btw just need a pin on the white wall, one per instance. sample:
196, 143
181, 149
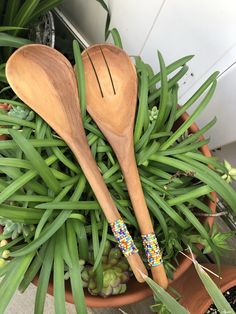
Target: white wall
205, 28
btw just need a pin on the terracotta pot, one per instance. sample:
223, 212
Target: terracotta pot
135, 291
193, 294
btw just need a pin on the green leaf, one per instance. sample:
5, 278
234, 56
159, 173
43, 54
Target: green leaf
116, 38
43, 7
11, 10
102, 245
165, 298
108, 19
22, 180
70, 205
44, 278
75, 272
145, 154
33, 268
195, 136
95, 241
168, 209
36, 160
7, 268
17, 121
171, 82
170, 68
195, 222
10, 101
49, 212
9, 28
79, 70
44, 236
164, 94
218, 298
58, 278
195, 193
190, 120
64, 247
184, 149
2, 75
21, 213
143, 141
15, 162
7, 40
23, 15
214, 180
174, 103
142, 117
197, 94
82, 239
156, 212
12, 279
204, 174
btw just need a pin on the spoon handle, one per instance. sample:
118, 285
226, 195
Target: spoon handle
130, 172
125, 242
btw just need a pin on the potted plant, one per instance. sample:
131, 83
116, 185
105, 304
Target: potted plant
53, 228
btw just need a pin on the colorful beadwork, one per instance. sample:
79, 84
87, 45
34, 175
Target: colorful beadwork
123, 237
152, 249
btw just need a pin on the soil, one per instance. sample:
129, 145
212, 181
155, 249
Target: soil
230, 295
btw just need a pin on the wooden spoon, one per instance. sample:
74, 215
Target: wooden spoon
44, 79
111, 94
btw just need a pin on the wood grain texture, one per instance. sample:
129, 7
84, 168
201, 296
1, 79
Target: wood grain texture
44, 79
111, 93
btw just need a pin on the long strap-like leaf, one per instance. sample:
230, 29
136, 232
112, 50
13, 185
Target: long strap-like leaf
36, 160
12, 280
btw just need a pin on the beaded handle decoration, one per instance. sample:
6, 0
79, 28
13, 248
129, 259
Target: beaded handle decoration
152, 249
125, 242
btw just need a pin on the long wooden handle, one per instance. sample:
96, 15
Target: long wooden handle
130, 172
94, 177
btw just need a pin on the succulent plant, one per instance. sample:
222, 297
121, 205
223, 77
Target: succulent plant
21, 113
115, 273
153, 113
13, 230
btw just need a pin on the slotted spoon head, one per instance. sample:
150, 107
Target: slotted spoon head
44, 79
111, 88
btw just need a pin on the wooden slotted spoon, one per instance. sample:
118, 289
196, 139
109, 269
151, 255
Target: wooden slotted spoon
44, 79
111, 94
